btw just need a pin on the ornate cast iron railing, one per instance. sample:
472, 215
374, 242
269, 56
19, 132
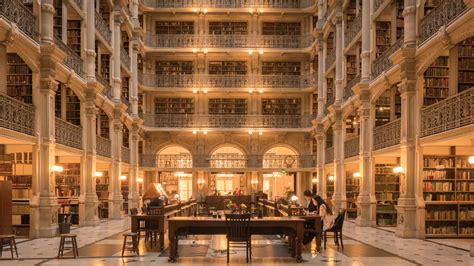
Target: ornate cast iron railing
227, 41
329, 102
103, 146
442, 15
351, 147
125, 155
68, 134
348, 88
16, 115
331, 59
228, 161
174, 161
329, 155
229, 81
107, 91
71, 60
353, 29
16, 12
378, 4
103, 27
229, 3
125, 58
387, 135
228, 121
451, 113
280, 161
383, 63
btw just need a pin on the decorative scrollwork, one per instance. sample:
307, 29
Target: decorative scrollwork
71, 60
329, 155
16, 115
351, 147
229, 4
16, 12
387, 135
383, 63
68, 134
103, 28
103, 146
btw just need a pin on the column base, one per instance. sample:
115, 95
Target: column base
44, 217
406, 218
133, 200
115, 207
366, 211
88, 211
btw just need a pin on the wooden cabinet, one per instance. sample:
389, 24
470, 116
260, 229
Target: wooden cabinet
5, 207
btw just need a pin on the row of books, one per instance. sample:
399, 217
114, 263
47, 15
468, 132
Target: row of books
438, 186
386, 196
465, 196
437, 72
465, 186
437, 175
439, 197
441, 230
466, 214
466, 230
436, 92
441, 215
436, 162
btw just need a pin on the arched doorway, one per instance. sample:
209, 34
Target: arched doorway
175, 163
278, 182
224, 179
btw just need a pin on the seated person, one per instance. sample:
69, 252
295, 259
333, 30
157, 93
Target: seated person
322, 208
156, 202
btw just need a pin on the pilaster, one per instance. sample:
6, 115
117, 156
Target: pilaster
339, 197
133, 196
321, 175
115, 195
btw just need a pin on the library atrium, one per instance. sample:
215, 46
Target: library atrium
265, 132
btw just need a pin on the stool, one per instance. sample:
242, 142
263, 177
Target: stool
12, 243
130, 246
68, 239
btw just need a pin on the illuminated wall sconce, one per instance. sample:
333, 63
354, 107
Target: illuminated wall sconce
205, 51
57, 168
260, 52
251, 11
98, 174
250, 132
471, 159
398, 170
195, 132
260, 91
205, 91
123, 177
356, 174
140, 179
204, 132
250, 91
331, 178
254, 182
314, 180
250, 52
260, 133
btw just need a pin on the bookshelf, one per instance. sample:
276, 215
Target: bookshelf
227, 67
281, 68
448, 191
436, 86
330, 43
228, 28
58, 18
330, 187
105, 67
174, 105
19, 79
227, 106
68, 191
387, 187
102, 190
58, 101
352, 191
124, 190
174, 27
382, 110
352, 129
174, 68
382, 37
466, 64
104, 124
351, 65
169, 182
104, 11
140, 103
399, 19
140, 63
315, 104
125, 137
330, 88
351, 11
281, 28
74, 35
285, 106
125, 88
73, 107
125, 42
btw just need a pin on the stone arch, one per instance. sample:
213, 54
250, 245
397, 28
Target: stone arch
236, 146
294, 151
174, 156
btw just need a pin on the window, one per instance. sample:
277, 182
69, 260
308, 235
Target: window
224, 185
185, 187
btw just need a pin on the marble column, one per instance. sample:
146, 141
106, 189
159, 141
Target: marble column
88, 201
321, 175
321, 79
134, 169
115, 195
407, 203
366, 200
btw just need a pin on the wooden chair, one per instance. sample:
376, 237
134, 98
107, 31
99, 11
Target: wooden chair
238, 233
133, 211
336, 228
151, 227
68, 239
131, 246
9, 240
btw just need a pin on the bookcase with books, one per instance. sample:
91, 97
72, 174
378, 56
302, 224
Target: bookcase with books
73, 107
330, 186
174, 27
281, 68
140, 103
104, 10
283, 106
227, 67
399, 19
174, 105
351, 64
351, 11
228, 28
68, 191
74, 35
382, 37
58, 18
19, 79
448, 191
315, 104
105, 67
102, 190
281, 28
125, 42
124, 190
104, 124
330, 43
387, 192
125, 137
330, 89
58, 101
436, 86
125, 88
352, 191
466, 64
227, 106
174, 67
382, 110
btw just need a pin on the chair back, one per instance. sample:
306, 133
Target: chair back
155, 211
238, 226
339, 221
133, 211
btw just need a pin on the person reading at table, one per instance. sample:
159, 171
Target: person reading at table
323, 210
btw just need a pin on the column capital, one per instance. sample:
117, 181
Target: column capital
49, 85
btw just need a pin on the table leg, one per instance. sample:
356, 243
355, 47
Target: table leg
162, 241
299, 244
318, 241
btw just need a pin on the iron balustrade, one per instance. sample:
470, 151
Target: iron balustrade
353, 29
329, 102
229, 3
351, 147
387, 135
442, 15
348, 88
383, 62
71, 60
227, 121
15, 11
125, 101
68, 134
229, 81
103, 146
103, 27
227, 41
16, 115
453, 112
107, 91
329, 155
125, 154
378, 4
125, 58
331, 58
